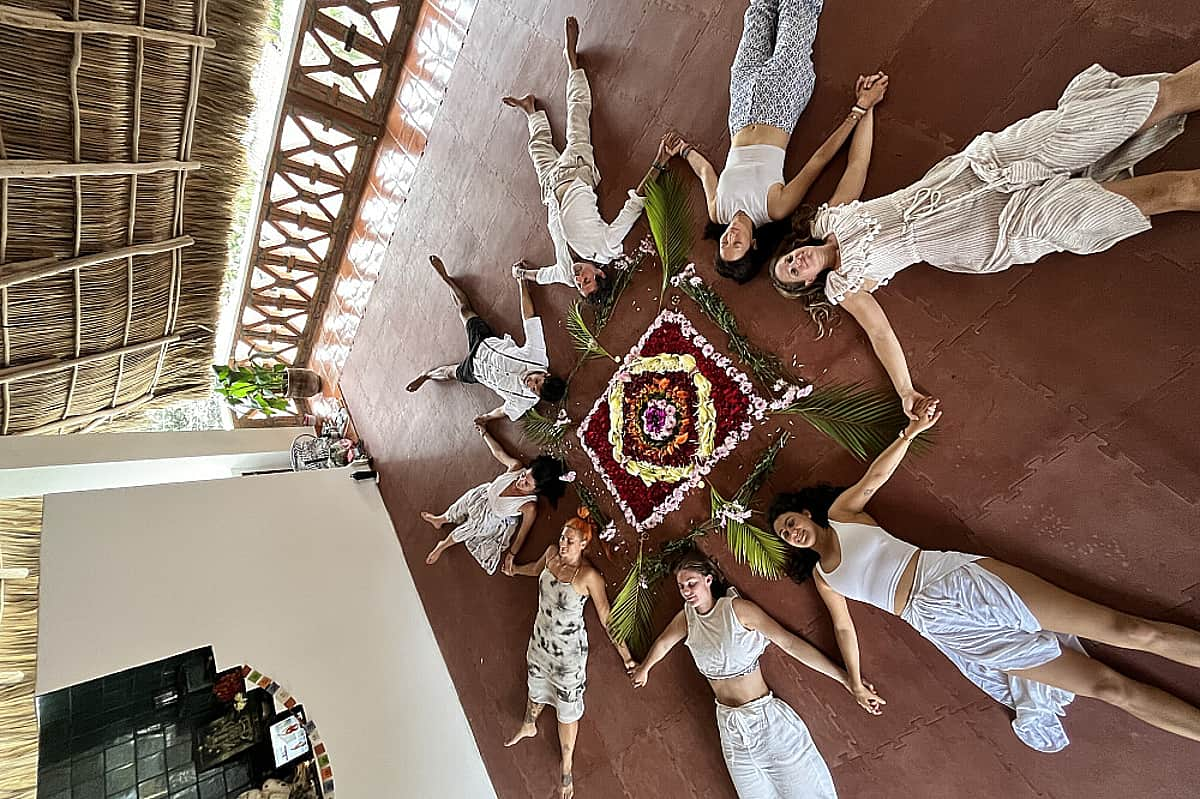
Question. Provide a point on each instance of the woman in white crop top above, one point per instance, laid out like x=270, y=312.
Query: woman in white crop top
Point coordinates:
x=1008, y=631
x=767, y=748
x=1056, y=181
x=770, y=82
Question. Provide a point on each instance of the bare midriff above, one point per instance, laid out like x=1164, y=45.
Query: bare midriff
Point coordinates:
x=761, y=134
x=737, y=691
x=905, y=586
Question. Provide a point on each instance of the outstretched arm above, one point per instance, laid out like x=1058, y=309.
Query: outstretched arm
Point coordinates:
x=753, y=617
x=865, y=309
x=676, y=145
x=528, y=515
x=854, y=499
x=532, y=569
x=490, y=416
x=869, y=90
x=850, y=187
x=506, y=459
x=675, y=632
x=527, y=309
x=847, y=641
x=599, y=594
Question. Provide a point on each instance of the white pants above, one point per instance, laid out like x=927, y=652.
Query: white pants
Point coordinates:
x=577, y=160
x=770, y=754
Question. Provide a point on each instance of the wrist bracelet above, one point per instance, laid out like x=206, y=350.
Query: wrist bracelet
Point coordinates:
x=902, y=434
x=859, y=109
x=658, y=166
x=686, y=151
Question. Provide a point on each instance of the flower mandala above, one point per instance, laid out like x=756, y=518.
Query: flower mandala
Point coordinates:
x=672, y=411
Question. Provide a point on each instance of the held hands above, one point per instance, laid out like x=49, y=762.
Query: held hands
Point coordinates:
x=520, y=270
x=508, y=565
x=664, y=151
x=924, y=415
x=674, y=143
x=870, y=89
x=864, y=694
x=638, y=674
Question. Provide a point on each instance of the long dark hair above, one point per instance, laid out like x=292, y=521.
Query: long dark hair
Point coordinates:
x=816, y=500
x=547, y=471
x=692, y=559
x=813, y=295
x=742, y=270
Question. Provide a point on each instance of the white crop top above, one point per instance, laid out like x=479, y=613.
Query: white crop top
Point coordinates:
x=750, y=172
x=873, y=560
x=721, y=646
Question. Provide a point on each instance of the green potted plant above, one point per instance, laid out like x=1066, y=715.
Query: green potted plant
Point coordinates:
x=264, y=387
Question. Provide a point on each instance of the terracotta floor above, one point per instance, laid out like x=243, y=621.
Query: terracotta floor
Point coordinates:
x=1068, y=446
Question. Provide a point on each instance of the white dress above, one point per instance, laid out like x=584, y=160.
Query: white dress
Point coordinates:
x=486, y=520
x=1010, y=197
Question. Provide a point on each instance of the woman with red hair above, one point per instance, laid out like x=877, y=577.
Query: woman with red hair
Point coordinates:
x=558, y=648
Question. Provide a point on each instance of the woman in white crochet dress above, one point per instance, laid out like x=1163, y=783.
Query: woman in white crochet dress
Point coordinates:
x=1044, y=184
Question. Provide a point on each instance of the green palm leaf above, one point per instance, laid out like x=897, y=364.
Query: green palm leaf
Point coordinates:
x=862, y=420
x=541, y=430
x=588, y=345
x=631, y=611
x=761, y=551
x=621, y=278
x=761, y=471
x=669, y=212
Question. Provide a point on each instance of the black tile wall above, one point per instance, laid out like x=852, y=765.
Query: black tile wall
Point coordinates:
x=106, y=739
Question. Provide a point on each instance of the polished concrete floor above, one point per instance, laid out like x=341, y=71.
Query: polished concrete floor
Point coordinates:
x=1070, y=437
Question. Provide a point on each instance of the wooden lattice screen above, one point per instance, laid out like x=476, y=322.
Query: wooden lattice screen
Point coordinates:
x=108, y=291
x=343, y=75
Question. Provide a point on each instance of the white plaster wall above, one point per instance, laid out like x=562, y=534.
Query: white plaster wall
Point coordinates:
x=298, y=575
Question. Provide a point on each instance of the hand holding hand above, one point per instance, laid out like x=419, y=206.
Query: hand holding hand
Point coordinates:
x=675, y=143
x=925, y=414
x=508, y=565
x=481, y=421
x=909, y=401
x=870, y=89
x=864, y=694
x=664, y=152
x=638, y=675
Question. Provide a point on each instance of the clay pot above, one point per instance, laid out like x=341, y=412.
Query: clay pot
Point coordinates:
x=301, y=383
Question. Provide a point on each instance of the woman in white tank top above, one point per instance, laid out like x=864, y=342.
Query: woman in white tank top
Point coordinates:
x=768, y=749
x=1008, y=631
x=770, y=82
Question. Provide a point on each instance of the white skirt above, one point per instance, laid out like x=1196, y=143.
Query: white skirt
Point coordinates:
x=986, y=630
x=770, y=753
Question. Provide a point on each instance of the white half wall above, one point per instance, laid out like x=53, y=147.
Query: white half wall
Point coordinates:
x=298, y=575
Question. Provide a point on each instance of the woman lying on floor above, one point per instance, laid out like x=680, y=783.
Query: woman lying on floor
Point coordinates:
x=558, y=649
x=1008, y=631
x=767, y=748
x=1011, y=197
x=487, y=516
x=770, y=83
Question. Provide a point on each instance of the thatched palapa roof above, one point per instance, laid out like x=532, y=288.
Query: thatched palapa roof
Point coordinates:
x=120, y=156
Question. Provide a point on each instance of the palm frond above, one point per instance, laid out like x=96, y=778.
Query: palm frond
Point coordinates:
x=588, y=500
x=761, y=471
x=542, y=430
x=762, y=552
x=669, y=212
x=631, y=611
x=764, y=365
x=588, y=345
x=621, y=276
x=862, y=420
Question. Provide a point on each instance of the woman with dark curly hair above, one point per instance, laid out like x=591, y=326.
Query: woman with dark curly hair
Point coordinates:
x=770, y=82
x=767, y=747
x=558, y=648
x=1053, y=182
x=487, y=516
x=1008, y=631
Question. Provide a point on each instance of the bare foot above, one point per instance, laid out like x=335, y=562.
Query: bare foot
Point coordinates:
x=434, y=520
x=567, y=791
x=433, y=556
x=417, y=383
x=526, y=731
x=528, y=103
x=572, y=48
x=438, y=266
